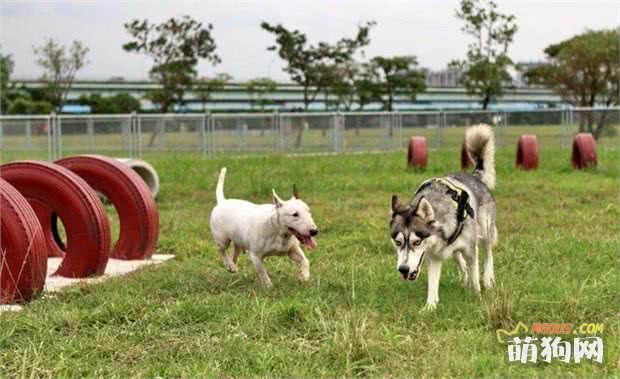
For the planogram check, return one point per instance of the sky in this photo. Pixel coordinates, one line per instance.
(427, 29)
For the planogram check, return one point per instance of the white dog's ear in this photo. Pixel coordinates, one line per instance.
(425, 210)
(277, 202)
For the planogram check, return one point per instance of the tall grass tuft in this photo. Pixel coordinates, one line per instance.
(499, 309)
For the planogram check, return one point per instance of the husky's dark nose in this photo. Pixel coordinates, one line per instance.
(314, 232)
(403, 269)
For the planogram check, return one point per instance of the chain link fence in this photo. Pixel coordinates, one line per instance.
(104, 134)
(372, 131)
(53, 136)
(243, 133)
(170, 132)
(26, 137)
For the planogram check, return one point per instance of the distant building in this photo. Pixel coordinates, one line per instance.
(444, 78)
(117, 79)
(234, 97)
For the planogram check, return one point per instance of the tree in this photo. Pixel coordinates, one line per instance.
(395, 75)
(366, 83)
(304, 62)
(59, 68)
(327, 79)
(206, 86)
(176, 46)
(119, 103)
(585, 71)
(258, 88)
(97, 103)
(6, 69)
(125, 103)
(25, 105)
(485, 69)
(343, 84)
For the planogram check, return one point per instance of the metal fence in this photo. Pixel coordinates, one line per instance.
(53, 136)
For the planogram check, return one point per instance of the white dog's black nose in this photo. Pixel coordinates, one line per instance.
(314, 232)
(403, 269)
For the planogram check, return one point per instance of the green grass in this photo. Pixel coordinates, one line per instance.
(555, 262)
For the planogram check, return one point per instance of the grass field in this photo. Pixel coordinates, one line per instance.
(555, 262)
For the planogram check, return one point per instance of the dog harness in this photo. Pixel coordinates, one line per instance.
(460, 198)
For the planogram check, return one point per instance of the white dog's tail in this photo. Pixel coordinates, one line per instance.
(219, 189)
(480, 145)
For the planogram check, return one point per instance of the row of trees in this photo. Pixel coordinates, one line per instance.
(325, 69)
(177, 45)
(60, 66)
(584, 70)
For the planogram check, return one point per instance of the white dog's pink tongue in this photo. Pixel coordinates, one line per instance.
(310, 243)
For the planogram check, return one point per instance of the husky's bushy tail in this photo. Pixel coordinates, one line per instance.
(480, 145)
(219, 189)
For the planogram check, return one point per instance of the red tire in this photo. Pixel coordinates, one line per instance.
(527, 152)
(417, 153)
(23, 254)
(584, 151)
(466, 161)
(131, 197)
(52, 189)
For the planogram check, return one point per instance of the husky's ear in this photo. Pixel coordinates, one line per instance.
(277, 202)
(395, 204)
(425, 210)
(295, 192)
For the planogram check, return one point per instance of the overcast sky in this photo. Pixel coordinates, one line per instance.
(427, 29)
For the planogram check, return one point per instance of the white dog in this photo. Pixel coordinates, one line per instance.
(263, 230)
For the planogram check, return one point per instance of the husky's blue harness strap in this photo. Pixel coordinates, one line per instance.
(460, 197)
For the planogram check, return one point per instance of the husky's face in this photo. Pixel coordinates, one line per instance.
(295, 215)
(413, 235)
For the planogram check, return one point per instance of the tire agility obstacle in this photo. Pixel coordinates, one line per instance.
(145, 171)
(584, 151)
(23, 254)
(417, 153)
(131, 197)
(527, 152)
(54, 190)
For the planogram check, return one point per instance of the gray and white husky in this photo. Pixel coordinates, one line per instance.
(450, 216)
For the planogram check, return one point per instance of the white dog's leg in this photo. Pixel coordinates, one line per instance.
(230, 266)
(434, 273)
(260, 269)
(222, 245)
(474, 269)
(460, 261)
(235, 255)
(488, 277)
(297, 255)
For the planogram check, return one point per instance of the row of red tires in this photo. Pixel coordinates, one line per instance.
(34, 195)
(583, 154)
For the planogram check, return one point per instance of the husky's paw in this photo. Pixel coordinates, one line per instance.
(303, 276)
(465, 280)
(429, 307)
(266, 283)
(473, 286)
(231, 267)
(488, 282)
